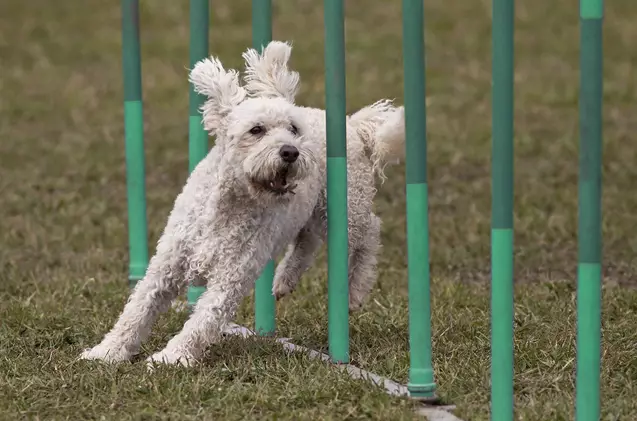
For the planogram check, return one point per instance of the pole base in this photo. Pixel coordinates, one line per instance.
(132, 281)
(424, 392)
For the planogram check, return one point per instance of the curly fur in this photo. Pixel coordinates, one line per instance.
(225, 225)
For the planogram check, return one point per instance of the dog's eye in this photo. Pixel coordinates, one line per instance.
(294, 129)
(257, 130)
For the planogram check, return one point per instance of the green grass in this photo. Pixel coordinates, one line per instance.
(63, 256)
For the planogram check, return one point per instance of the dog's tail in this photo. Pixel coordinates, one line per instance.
(381, 126)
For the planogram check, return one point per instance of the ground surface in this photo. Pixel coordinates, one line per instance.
(63, 254)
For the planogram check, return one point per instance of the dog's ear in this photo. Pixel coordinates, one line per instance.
(221, 87)
(267, 75)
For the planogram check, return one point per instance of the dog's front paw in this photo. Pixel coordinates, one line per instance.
(280, 289)
(170, 358)
(107, 352)
(355, 303)
(354, 307)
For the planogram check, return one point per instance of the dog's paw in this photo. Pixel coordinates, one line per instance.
(355, 304)
(281, 289)
(110, 354)
(169, 358)
(354, 307)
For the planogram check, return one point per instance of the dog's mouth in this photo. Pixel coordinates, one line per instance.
(279, 185)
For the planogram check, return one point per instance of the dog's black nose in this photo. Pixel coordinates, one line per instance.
(289, 153)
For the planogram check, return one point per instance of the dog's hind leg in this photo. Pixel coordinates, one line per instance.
(362, 264)
(297, 259)
(151, 296)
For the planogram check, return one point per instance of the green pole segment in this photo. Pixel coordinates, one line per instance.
(264, 303)
(197, 136)
(134, 142)
(502, 212)
(193, 294)
(590, 230)
(337, 236)
(421, 376)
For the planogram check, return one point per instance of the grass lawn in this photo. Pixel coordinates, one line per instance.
(63, 250)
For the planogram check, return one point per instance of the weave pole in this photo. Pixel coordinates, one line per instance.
(502, 212)
(421, 375)
(590, 210)
(264, 302)
(134, 143)
(197, 136)
(337, 238)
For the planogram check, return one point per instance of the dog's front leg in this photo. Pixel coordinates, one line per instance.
(214, 309)
(297, 259)
(151, 297)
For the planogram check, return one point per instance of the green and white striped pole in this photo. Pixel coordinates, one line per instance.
(134, 143)
(590, 210)
(337, 236)
(264, 302)
(197, 136)
(502, 212)
(421, 377)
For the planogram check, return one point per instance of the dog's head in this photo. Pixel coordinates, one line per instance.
(264, 135)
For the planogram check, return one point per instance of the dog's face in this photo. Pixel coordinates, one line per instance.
(267, 138)
(258, 127)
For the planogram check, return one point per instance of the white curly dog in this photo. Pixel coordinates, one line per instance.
(261, 188)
